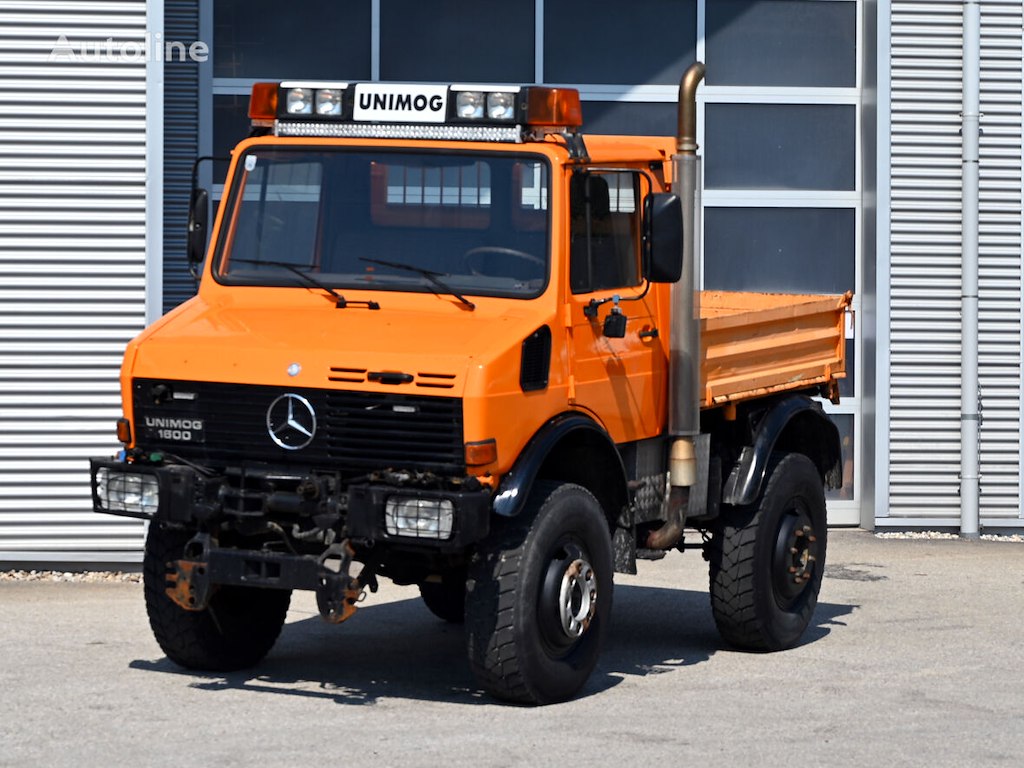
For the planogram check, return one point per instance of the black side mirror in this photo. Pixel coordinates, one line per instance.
(614, 324)
(198, 219)
(663, 237)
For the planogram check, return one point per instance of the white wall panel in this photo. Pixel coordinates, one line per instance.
(925, 260)
(1000, 257)
(925, 60)
(72, 266)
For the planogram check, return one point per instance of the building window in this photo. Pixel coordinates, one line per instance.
(629, 117)
(781, 146)
(788, 250)
(608, 41)
(300, 38)
(782, 43)
(456, 41)
(783, 162)
(778, 112)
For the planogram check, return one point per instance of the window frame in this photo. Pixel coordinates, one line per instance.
(225, 234)
(640, 177)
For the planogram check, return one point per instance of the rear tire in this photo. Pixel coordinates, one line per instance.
(767, 559)
(539, 595)
(236, 630)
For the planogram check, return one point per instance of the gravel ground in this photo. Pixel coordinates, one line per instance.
(944, 535)
(88, 577)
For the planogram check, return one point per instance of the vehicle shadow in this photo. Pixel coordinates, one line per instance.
(401, 650)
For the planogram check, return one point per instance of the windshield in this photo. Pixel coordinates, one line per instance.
(450, 224)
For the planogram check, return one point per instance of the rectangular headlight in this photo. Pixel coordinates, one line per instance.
(501, 105)
(469, 105)
(127, 493)
(419, 518)
(486, 103)
(299, 101)
(328, 101)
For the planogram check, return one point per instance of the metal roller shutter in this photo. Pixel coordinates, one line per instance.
(181, 148)
(925, 338)
(925, 259)
(72, 266)
(1000, 257)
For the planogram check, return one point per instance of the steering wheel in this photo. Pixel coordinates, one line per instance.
(474, 253)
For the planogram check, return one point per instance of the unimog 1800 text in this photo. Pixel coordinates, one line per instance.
(444, 337)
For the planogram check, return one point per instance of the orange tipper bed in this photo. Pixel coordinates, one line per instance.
(759, 343)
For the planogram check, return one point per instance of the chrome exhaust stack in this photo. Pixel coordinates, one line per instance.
(684, 345)
(684, 367)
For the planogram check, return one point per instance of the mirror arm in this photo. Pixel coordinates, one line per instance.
(203, 159)
(590, 311)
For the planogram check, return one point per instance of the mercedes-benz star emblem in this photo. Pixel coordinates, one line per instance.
(291, 421)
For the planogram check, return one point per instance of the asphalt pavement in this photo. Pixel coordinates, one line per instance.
(914, 658)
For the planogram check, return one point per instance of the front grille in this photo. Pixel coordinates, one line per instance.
(354, 430)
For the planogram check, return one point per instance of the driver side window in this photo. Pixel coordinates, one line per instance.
(604, 231)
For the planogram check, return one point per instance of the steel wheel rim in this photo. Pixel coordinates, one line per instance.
(577, 597)
(795, 555)
(569, 596)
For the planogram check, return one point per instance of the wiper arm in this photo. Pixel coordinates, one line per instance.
(433, 277)
(339, 301)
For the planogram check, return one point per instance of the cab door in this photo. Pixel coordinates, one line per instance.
(619, 379)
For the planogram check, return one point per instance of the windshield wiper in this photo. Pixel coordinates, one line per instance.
(432, 276)
(339, 301)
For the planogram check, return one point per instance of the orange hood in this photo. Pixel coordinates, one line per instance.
(310, 343)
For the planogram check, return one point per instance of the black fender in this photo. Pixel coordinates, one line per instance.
(815, 436)
(572, 432)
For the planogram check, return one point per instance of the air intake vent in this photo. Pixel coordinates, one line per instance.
(435, 380)
(395, 378)
(352, 375)
(536, 360)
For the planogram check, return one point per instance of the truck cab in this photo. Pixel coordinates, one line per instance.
(432, 343)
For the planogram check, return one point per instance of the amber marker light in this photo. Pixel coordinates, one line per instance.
(481, 452)
(263, 101)
(124, 431)
(554, 106)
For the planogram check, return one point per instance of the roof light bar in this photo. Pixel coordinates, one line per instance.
(397, 110)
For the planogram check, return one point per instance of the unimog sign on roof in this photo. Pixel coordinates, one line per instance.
(384, 102)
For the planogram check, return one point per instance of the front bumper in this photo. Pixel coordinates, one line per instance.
(177, 493)
(192, 580)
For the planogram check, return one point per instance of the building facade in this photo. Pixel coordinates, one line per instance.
(831, 131)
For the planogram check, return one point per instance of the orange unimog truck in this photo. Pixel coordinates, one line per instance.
(444, 337)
